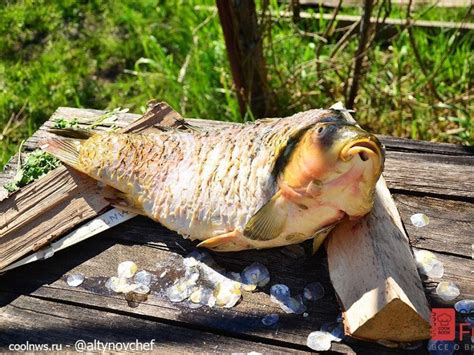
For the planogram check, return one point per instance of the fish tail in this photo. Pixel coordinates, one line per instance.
(65, 149)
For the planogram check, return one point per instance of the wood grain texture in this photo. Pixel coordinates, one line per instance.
(65, 324)
(40, 213)
(384, 299)
(450, 229)
(430, 173)
(154, 248)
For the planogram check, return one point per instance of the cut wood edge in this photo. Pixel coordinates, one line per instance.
(398, 321)
(384, 299)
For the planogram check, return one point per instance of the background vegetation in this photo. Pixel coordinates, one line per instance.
(109, 54)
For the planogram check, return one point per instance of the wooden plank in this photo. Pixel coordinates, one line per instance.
(450, 229)
(64, 199)
(390, 23)
(154, 248)
(457, 270)
(415, 146)
(384, 299)
(64, 324)
(415, 3)
(430, 173)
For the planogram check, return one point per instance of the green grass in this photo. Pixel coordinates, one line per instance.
(121, 54)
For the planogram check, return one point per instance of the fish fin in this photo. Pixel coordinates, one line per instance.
(268, 223)
(78, 133)
(219, 240)
(65, 149)
(121, 200)
(320, 237)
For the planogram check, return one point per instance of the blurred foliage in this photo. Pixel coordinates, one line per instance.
(108, 54)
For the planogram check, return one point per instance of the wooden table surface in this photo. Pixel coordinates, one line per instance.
(38, 306)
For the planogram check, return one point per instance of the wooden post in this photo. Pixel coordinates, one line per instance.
(375, 277)
(244, 49)
(360, 53)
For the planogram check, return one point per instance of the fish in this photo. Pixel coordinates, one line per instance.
(263, 184)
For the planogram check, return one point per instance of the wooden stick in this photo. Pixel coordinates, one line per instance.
(375, 277)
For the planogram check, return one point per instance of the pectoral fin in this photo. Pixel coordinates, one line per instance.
(269, 222)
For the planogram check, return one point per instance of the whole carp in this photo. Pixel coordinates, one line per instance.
(258, 185)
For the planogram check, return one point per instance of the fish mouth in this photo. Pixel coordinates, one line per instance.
(366, 148)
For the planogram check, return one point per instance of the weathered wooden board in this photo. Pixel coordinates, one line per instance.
(390, 24)
(98, 259)
(156, 249)
(357, 3)
(65, 324)
(64, 199)
(414, 172)
(451, 224)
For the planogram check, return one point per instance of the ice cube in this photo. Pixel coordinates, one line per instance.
(319, 341)
(419, 220)
(313, 291)
(466, 308)
(270, 319)
(143, 278)
(192, 274)
(75, 280)
(126, 269)
(447, 290)
(255, 275)
(279, 292)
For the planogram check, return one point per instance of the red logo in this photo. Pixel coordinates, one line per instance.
(443, 324)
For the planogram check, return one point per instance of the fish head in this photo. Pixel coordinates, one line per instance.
(338, 164)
